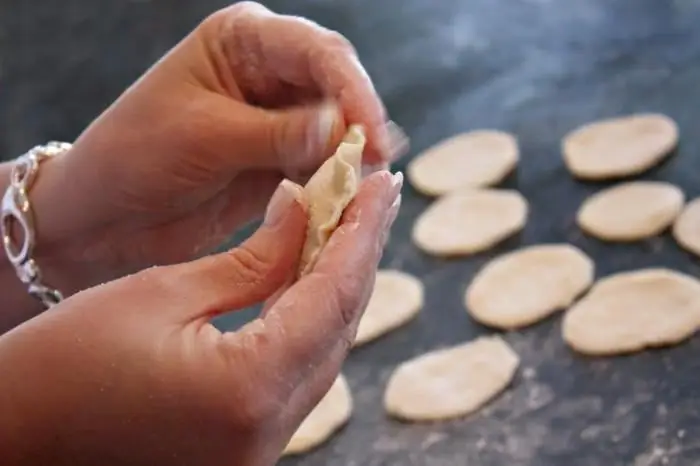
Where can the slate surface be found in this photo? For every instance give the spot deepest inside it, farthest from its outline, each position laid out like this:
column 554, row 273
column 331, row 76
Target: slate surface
column 535, row 67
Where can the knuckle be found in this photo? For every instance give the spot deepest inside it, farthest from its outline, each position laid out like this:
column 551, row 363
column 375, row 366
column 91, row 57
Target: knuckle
column 248, row 265
column 338, row 42
column 223, row 23
column 345, row 295
column 152, row 277
column 236, row 10
column 252, row 402
column 252, row 412
column 261, row 410
column 347, row 340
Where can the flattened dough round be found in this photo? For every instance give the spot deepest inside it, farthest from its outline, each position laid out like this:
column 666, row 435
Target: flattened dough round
column 619, row 147
column 329, row 415
column 522, row 287
column 631, row 311
column 451, row 382
column 397, row 298
column 686, row 229
column 475, row 159
column 631, row 211
column 470, row 221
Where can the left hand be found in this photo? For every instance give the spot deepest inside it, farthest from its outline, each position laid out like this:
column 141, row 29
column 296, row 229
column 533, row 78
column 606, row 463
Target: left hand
column 132, row 373
column 196, row 147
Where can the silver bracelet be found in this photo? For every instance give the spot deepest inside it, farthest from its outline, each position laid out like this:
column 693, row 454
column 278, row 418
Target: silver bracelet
column 17, row 210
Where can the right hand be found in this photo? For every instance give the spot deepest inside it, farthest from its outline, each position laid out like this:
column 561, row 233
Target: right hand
column 132, row 372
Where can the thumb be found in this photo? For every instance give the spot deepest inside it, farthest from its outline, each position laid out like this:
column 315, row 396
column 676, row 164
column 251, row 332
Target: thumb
column 242, row 276
column 295, row 140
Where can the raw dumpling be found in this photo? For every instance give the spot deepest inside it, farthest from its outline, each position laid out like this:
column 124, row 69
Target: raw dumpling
column 328, row 193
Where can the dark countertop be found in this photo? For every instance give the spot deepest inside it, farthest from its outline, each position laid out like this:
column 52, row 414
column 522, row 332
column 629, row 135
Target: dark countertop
column 535, row 67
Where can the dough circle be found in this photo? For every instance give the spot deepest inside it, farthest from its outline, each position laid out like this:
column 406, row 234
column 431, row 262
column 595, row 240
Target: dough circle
column 522, row 287
column 619, row 147
column 631, row 311
column 631, row 211
column 397, row 298
column 686, row 229
column 475, row 159
column 451, row 382
column 470, row 221
column 329, row 415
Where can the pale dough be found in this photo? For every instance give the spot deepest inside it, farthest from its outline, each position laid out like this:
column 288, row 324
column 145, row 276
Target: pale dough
column 328, row 193
column 397, row 298
column 631, row 211
column 470, row 221
column 619, row 147
column 475, row 159
column 522, row 287
column 329, row 415
column 451, row 382
column 631, row 311
column 686, row 230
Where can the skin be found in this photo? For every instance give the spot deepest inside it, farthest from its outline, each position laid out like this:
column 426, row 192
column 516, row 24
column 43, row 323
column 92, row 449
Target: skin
column 191, row 152
column 196, row 147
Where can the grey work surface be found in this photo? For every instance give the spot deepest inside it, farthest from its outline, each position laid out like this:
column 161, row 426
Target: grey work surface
column 537, row 68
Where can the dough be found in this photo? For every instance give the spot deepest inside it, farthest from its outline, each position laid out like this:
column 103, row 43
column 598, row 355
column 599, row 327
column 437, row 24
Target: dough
column 328, row 193
column 469, row 221
column 631, row 311
column 451, row 382
column 631, row 211
column 522, row 287
column 329, row 415
column 686, row 230
column 396, row 299
column 619, row 147
column 470, row 160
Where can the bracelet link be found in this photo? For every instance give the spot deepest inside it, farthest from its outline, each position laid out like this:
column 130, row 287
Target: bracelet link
column 16, row 210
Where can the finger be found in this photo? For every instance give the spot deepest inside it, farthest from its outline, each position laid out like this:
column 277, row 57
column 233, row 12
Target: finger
column 243, row 276
column 241, row 202
column 323, row 308
column 272, row 300
column 260, row 44
column 311, row 390
column 293, row 141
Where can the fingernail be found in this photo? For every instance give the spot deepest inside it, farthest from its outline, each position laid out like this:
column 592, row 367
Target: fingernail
column 394, row 142
column 369, row 169
column 392, row 213
column 328, row 118
column 286, row 195
column 397, row 182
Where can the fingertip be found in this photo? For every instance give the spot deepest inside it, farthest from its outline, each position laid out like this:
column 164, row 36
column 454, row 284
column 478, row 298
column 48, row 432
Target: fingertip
column 298, row 194
column 332, row 126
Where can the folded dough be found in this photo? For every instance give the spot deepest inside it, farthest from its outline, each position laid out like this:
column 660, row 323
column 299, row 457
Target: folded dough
column 328, row 193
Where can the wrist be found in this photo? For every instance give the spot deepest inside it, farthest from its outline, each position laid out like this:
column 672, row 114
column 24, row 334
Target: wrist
column 57, row 244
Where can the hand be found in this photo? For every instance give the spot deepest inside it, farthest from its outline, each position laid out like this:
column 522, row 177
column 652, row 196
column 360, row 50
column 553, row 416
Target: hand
column 196, row 147
column 132, row 372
